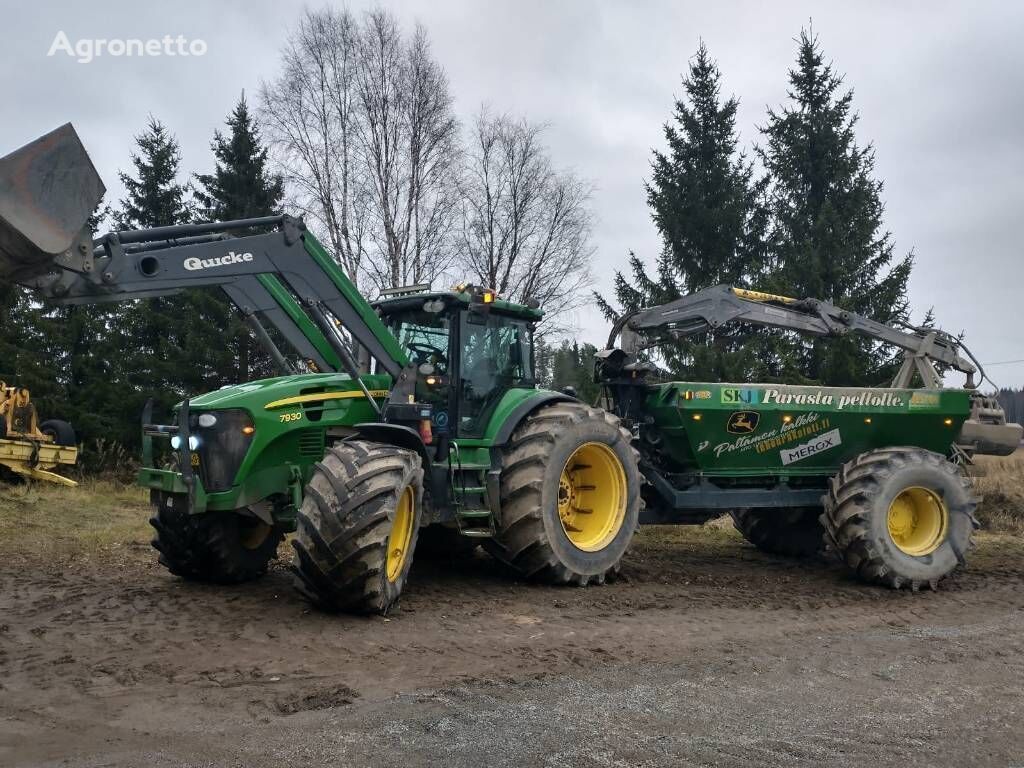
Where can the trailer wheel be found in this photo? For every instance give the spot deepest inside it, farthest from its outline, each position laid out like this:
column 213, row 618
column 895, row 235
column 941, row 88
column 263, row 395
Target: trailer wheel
column 900, row 517
column 357, row 527
column 61, row 432
column 570, row 496
column 215, row 547
column 786, row 531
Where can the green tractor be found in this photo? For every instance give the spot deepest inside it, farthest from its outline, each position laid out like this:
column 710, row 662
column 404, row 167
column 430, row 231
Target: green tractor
column 416, row 420
column 423, row 414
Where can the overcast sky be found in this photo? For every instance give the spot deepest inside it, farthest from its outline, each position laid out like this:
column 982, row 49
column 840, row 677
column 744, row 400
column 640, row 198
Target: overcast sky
column 939, row 88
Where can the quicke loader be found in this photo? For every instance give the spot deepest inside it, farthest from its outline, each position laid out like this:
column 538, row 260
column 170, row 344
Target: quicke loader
column 417, row 419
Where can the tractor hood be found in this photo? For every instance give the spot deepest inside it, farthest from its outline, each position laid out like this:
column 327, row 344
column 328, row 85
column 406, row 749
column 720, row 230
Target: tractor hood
column 256, row 395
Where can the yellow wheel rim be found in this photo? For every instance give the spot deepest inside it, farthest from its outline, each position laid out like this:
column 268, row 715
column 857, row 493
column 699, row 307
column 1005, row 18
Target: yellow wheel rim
column 253, row 536
column 918, row 520
column 592, row 496
column 400, row 537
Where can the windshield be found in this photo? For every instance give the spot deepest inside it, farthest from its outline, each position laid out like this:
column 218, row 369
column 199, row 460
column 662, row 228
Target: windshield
column 424, row 336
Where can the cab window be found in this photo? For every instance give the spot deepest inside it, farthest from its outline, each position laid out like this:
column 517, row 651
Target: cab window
column 495, row 355
column 424, row 336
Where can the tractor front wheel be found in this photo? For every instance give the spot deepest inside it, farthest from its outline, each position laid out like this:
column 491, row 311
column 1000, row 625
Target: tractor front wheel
column 215, row 547
column 570, row 495
column 357, row 527
column 900, row 517
column 790, row 532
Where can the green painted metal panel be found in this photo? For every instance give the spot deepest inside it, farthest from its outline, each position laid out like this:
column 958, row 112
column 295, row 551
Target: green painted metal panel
column 355, row 299
column 750, row 429
column 283, row 297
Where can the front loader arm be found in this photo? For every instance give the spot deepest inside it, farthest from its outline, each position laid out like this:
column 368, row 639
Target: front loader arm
column 260, row 273
column 722, row 305
column 48, row 190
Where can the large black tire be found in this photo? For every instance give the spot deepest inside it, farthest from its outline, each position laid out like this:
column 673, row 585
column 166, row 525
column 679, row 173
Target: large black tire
column 538, row 487
column 356, row 533
column 214, row 547
column 61, row 432
column 790, row 532
column 900, row 517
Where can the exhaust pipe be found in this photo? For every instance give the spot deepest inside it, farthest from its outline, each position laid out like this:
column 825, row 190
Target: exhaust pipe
column 48, row 190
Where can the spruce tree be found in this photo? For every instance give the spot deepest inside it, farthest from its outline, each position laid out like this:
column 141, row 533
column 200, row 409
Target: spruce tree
column 155, row 197
column 70, row 358
column 827, row 239
column 177, row 342
column 241, row 187
column 572, row 365
column 705, row 204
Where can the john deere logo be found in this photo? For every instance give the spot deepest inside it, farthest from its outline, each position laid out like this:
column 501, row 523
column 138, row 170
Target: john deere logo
column 743, row 422
column 741, row 396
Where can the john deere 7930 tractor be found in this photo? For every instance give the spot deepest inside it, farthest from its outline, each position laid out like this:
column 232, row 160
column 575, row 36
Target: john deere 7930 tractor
column 439, row 424
column 423, row 417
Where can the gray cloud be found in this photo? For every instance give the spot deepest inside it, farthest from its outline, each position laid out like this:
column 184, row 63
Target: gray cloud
column 939, row 87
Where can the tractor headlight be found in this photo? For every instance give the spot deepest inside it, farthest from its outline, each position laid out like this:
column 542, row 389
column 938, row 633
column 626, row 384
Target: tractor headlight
column 193, row 442
column 221, row 439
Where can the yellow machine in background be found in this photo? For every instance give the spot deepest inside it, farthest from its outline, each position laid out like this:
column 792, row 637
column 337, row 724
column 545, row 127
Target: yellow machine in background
column 31, row 448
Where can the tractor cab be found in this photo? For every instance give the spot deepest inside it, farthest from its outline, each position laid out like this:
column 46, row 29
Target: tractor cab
column 470, row 348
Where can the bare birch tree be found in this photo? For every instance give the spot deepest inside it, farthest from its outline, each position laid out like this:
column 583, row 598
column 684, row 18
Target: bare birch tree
column 525, row 226
column 410, row 143
column 362, row 126
column 310, row 116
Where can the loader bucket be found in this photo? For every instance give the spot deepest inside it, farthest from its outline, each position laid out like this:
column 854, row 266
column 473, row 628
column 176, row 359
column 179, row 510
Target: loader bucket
column 48, row 190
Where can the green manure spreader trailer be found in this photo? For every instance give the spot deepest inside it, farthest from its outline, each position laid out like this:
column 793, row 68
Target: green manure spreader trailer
column 416, row 420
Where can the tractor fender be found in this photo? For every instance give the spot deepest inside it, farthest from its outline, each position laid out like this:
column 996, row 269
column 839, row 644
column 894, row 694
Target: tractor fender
column 409, row 439
column 523, row 410
column 393, row 434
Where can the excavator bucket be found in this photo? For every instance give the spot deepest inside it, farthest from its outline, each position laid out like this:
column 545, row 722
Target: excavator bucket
column 48, row 190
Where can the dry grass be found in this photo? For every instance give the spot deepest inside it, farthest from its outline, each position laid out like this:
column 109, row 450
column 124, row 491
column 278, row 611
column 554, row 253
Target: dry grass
column 1002, row 485
column 106, row 521
column 100, row 520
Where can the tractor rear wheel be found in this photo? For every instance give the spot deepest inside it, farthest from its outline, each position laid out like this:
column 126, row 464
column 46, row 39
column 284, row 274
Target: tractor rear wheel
column 790, row 532
column 357, row 527
column 570, row 495
column 215, row 547
column 900, row 517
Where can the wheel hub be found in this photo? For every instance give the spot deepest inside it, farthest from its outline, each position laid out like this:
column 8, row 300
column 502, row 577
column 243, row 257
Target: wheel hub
column 917, row 521
column 254, row 533
column 400, row 537
column 592, row 496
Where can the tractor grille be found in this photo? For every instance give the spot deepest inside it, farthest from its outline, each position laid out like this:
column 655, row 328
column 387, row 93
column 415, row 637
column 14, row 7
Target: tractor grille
column 222, row 448
column 311, row 443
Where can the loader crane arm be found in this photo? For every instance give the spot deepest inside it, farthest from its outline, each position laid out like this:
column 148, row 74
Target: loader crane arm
column 281, row 274
column 722, row 305
column 284, row 276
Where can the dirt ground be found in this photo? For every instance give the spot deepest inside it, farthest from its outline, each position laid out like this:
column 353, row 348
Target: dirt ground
column 707, row 653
